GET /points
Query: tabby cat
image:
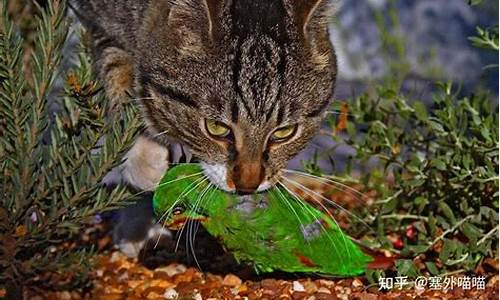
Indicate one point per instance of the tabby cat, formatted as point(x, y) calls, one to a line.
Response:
point(242, 84)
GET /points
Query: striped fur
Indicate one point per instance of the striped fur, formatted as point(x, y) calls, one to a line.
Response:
point(256, 65)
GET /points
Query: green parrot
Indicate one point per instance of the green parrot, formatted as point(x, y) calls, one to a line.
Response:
point(271, 230)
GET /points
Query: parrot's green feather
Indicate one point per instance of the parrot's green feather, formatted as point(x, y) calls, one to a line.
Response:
point(272, 230)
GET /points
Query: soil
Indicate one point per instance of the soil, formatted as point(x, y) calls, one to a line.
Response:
point(168, 269)
point(163, 273)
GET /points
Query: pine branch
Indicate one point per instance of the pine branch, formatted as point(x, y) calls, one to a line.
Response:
point(51, 35)
point(11, 92)
point(50, 190)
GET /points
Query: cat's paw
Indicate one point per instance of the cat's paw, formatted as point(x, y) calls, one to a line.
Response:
point(145, 164)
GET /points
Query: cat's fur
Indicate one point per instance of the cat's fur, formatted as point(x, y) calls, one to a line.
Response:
point(256, 65)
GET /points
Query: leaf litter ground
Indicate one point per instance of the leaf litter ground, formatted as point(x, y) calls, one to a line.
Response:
point(162, 273)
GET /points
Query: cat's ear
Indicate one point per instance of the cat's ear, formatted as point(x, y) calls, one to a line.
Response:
point(311, 15)
point(311, 19)
point(195, 24)
point(214, 11)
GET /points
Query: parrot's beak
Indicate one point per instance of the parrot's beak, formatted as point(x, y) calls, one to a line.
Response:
point(176, 222)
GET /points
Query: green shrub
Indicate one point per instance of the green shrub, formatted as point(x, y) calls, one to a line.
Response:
point(433, 163)
point(51, 168)
point(444, 161)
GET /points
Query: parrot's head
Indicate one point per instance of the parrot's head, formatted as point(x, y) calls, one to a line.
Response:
point(176, 218)
point(180, 214)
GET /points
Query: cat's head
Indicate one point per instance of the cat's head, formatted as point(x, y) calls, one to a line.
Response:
point(243, 83)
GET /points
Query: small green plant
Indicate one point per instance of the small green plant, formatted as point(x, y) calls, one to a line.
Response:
point(486, 38)
point(443, 201)
point(51, 167)
point(433, 163)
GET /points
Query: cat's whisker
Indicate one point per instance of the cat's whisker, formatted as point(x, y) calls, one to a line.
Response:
point(179, 236)
point(313, 193)
point(326, 211)
point(208, 198)
point(179, 198)
point(184, 225)
point(191, 236)
point(211, 188)
point(143, 98)
point(189, 248)
point(160, 134)
point(340, 113)
point(188, 224)
point(161, 184)
point(290, 207)
point(168, 211)
point(196, 184)
point(309, 211)
point(357, 194)
point(178, 179)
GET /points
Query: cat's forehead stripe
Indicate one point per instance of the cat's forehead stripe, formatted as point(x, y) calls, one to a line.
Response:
point(264, 17)
point(167, 91)
point(259, 58)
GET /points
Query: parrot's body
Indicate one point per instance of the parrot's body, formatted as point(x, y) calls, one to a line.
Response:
point(271, 230)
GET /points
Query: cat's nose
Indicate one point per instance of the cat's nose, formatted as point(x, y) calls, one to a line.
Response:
point(247, 177)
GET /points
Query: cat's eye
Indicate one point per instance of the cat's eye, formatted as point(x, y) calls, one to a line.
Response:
point(216, 128)
point(284, 133)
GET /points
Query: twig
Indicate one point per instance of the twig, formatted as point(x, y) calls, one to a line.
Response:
point(402, 217)
point(486, 236)
point(388, 198)
point(452, 273)
point(449, 231)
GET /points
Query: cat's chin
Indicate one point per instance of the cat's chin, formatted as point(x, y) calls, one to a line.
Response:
point(217, 174)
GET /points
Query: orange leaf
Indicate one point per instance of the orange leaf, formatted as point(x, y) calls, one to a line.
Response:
point(21, 231)
point(342, 123)
point(73, 83)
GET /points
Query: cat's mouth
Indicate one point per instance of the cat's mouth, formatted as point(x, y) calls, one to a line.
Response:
point(217, 175)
